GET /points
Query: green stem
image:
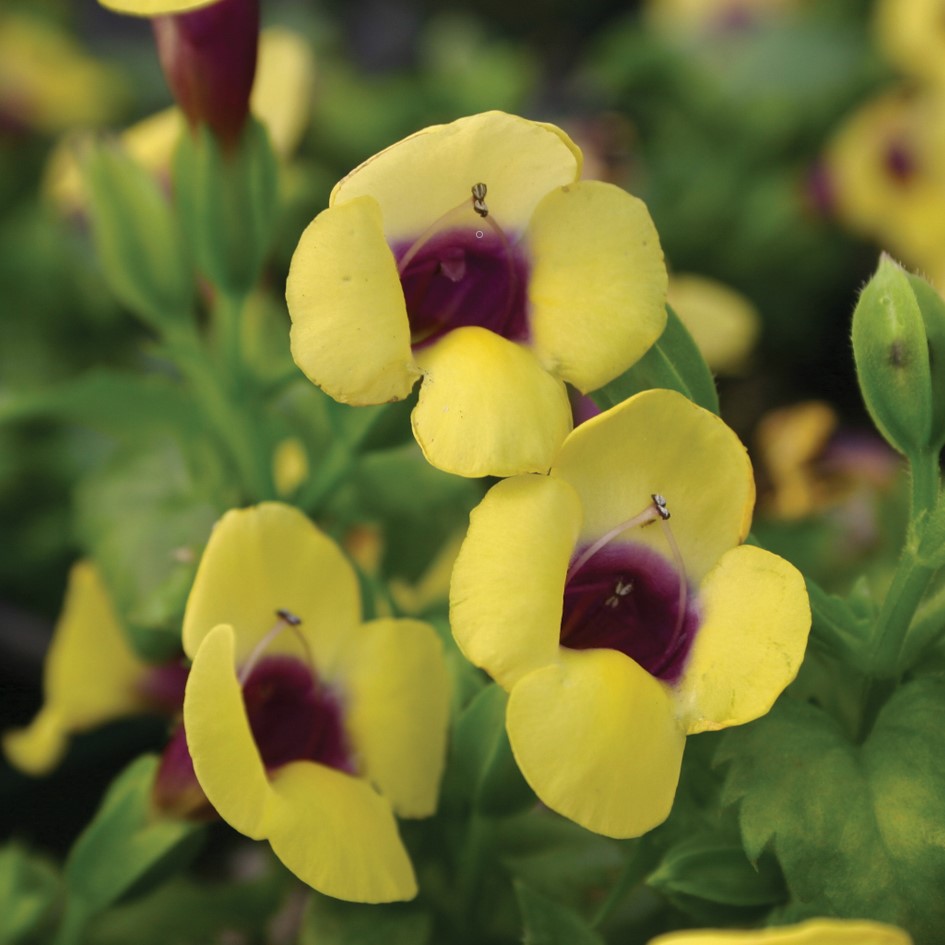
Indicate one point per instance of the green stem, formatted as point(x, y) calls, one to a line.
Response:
point(923, 482)
point(334, 466)
point(908, 587)
point(635, 868)
point(470, 870)
point(234, 426)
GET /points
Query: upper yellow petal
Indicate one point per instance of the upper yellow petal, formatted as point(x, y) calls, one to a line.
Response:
point(419, 179)
point(660, 442)
point(507, 590)
point(89, 677)
point(598, 284)
point(219, 738)
point(155, 7)
point(282, 89)
point(487, 407)
point(723, 323)
point(751, 641)
point(596, 738)
point(338, 835)
point(813, 932)
point(397, 689)
point(266, 558)
point(350, 333)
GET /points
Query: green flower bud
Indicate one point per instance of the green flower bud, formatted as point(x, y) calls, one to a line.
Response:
point(137, 237)
point(891, 348)
point(932, 308)
point(229, 204)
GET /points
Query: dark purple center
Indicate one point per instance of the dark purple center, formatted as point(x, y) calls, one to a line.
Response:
point(627, 598)
point(293, 718)
point(900, 162)
point(466, 276)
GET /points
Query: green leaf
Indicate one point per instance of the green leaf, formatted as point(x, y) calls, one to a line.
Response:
point(332, 922)
point(481, 761)
point(548, 922)
point(557, 858)
point(708, 877)
point(674, 362)
point(128, 848)
point(137, 237)
point(145, 518)
point(188, 912)
point(118, 404)
point(29, 888)
point(857, 829)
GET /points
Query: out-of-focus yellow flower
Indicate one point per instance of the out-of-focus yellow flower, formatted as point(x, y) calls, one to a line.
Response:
point(615, 631)
point(813, 932)
point(281, 100)
point(886, 175)
point(289, 466)
point(722, 322)
point(472, 255)
point(49, 83)
point(306, 727)
point(149, 8)
point(910, 34)
point(810, 469)
point(91, 676)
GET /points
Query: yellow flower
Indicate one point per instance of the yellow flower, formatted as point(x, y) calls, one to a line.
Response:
point(91, 676)
point(722, 322)
point(813, 932)
point(614, 602)
point(49, 83)
point(886, 173)
point(909, 32)
point(306, 727)
point(472, 255)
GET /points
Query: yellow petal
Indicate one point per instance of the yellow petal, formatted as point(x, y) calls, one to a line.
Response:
point(660, 442)
point(89, 677)
point(350, 333)
point(266, 558)
point(282, 89)
point(487, 407)
point(813, 932)
point(722, 322)
point(596, 738)
point(220, 741)
point(507, 591)
point(154, 7)
point(338, 835)
point(397, 689)
point(751, 641)
point(597, 290)
point(419, 179)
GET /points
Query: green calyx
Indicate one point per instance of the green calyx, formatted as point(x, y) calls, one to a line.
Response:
point(229, 202)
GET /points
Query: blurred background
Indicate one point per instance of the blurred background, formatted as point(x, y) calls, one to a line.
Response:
point(779, 146)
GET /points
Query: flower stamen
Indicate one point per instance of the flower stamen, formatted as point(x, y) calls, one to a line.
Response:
point(286, 621)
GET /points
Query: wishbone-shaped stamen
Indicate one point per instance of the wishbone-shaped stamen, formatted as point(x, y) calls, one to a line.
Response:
point(286, 621)
point(656, 510)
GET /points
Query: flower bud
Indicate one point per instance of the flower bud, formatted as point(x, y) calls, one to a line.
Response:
point(138, 239)
point(891, 349)
point(209, 59)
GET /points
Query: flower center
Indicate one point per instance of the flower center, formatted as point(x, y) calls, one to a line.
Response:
point(627, 597)
point(292, 716)
point(463, 270)
point(900, 162)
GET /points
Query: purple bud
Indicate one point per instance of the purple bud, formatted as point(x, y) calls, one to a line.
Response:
point(209, 60)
